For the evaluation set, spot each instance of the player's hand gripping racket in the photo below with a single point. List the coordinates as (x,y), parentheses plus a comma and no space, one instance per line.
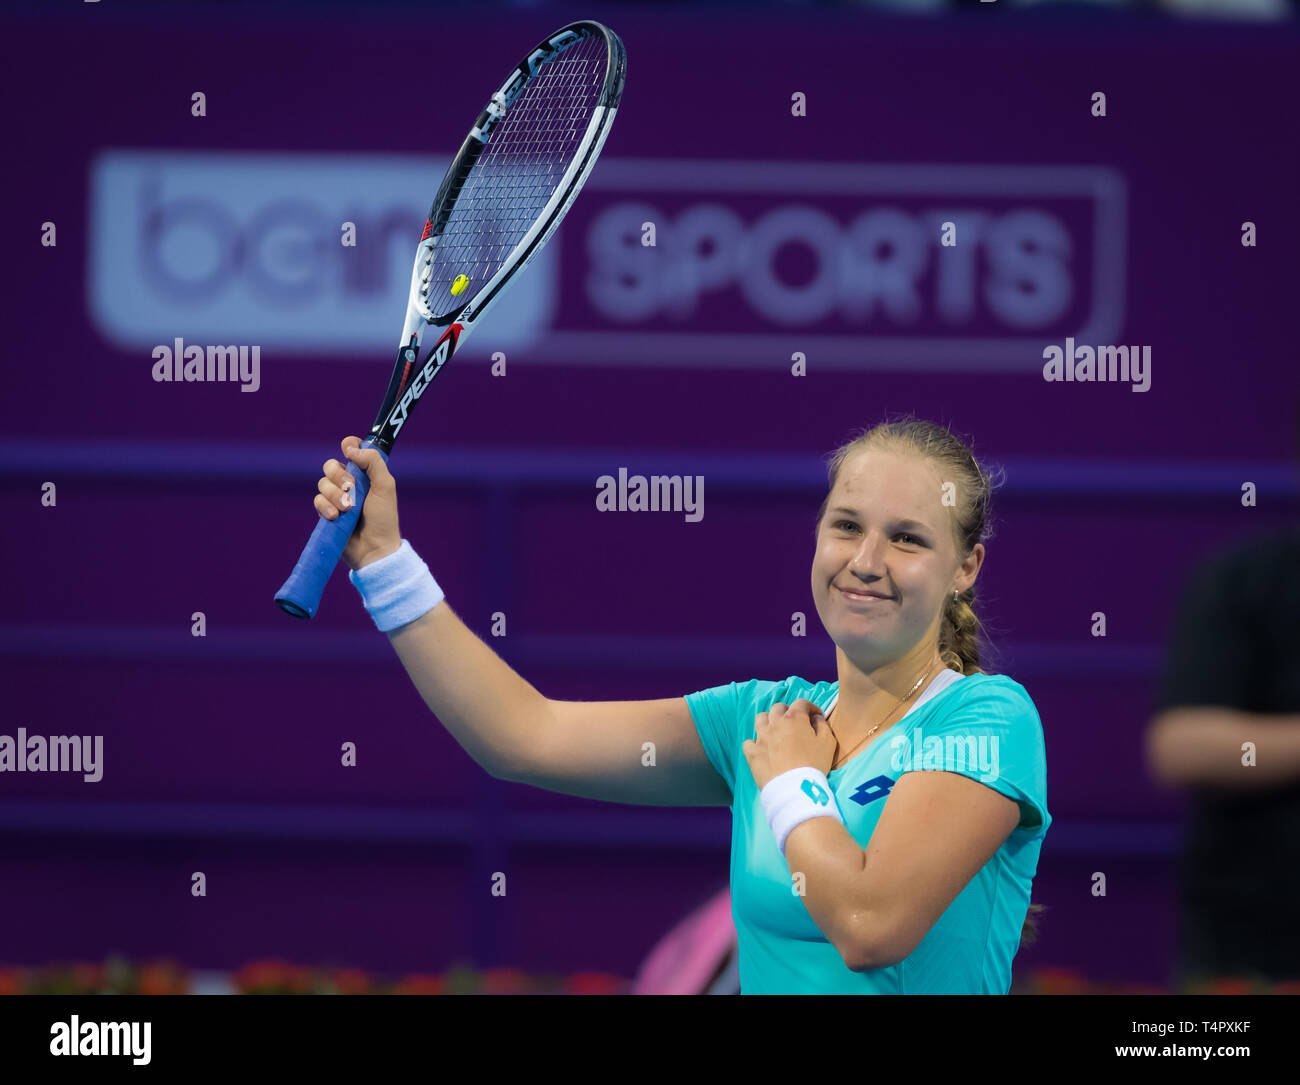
(512,181)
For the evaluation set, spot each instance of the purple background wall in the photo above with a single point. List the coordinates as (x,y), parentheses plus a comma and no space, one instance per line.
(222,752)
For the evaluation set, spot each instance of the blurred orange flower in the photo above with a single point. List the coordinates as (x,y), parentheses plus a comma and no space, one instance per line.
(1232,985)
(594,983)
(421,985)
(1143,989)
(351,981)
(505,981)
(1059,981)
(263,975)
(88,975)
(162,978)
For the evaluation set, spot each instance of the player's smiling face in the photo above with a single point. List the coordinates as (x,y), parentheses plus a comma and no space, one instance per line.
(885,556)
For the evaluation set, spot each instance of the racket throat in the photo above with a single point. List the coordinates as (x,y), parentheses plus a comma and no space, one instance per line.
(408,384)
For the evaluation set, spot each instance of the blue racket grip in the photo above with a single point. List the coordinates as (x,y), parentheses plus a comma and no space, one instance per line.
(300,594)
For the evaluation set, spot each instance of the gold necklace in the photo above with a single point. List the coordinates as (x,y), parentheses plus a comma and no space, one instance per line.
(864,738)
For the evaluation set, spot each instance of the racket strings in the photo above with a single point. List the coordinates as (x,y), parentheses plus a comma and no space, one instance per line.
(500,198)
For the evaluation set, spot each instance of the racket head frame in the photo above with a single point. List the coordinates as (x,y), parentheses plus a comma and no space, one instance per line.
(408,380)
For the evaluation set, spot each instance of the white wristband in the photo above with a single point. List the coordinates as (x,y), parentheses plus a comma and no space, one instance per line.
(397,589)
(794,797)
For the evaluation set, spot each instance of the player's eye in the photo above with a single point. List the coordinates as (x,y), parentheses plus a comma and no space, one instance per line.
(915,539)
(847,525)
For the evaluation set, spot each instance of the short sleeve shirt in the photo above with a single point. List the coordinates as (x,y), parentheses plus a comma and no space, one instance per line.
(983,726)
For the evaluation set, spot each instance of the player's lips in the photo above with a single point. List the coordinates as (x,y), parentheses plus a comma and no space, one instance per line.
(862,596)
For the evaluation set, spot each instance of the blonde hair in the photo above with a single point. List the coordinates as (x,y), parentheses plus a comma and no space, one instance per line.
(962,637)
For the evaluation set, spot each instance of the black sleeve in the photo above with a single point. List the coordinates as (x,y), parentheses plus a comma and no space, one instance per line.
(1211,651)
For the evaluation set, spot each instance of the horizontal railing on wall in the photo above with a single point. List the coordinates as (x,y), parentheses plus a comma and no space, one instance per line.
(527,466)
(557,651)
(615,825)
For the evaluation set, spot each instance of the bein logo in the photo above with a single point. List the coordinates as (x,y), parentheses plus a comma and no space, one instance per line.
(257,248)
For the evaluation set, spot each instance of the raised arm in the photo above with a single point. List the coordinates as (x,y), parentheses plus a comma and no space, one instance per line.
(590,749)
(595,749)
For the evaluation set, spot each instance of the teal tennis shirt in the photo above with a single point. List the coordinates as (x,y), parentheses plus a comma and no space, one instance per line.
(983,726)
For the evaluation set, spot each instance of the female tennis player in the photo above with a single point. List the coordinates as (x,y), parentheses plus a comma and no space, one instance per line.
(886,826)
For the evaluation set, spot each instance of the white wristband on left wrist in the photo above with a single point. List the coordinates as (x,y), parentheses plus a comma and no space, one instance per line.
(795,796)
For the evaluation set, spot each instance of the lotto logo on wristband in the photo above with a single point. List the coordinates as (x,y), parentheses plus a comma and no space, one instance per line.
(815,791)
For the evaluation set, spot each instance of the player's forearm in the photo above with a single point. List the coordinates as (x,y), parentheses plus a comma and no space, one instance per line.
(1215,747)
(489,709)
(826,868)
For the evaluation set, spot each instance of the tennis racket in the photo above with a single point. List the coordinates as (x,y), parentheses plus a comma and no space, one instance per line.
(506,191)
